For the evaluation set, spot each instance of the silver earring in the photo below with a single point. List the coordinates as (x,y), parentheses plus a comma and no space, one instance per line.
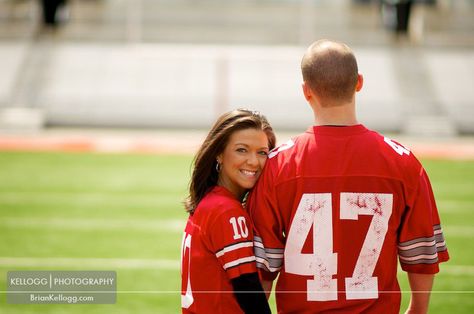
(218,167)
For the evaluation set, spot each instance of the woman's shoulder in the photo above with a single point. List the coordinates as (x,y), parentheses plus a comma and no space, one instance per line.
(218,201)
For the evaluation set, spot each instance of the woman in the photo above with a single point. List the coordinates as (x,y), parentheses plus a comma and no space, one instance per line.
(217,252)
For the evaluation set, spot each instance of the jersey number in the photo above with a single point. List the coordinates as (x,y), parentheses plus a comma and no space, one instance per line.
(397,147)
(315,210)
(187,298)
(241,231)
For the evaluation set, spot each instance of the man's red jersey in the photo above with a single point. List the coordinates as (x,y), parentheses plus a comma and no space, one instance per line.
(217,247)
(333,211)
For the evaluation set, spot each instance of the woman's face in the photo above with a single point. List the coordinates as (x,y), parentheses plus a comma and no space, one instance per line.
(242,160)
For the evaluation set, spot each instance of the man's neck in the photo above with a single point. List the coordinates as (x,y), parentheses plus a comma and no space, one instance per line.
(335,115)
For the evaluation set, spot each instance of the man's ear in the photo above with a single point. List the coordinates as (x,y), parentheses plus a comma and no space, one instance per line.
(360,82)
(308,95)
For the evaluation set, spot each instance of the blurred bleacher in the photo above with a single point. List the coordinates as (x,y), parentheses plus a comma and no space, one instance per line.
(180,63)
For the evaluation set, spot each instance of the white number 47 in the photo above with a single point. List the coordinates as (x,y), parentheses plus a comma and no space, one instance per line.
(397,147)
(315,210)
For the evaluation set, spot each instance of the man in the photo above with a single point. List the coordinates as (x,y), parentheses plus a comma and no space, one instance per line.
(398,11)
(336,206)
(51,10)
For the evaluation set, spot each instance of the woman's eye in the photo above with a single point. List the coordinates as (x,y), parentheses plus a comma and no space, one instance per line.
(263,153)
(241,150)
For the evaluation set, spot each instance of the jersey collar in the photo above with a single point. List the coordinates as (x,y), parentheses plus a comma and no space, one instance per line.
(337,130)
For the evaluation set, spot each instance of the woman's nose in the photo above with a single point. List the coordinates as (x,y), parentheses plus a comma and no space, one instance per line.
(252,159)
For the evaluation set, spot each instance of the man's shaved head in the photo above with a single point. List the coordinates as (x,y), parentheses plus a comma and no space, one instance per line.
(330,70)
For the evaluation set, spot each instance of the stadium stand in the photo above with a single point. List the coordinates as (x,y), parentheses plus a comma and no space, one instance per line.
(179,64)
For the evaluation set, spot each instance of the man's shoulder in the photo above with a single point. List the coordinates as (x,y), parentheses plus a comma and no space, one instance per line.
(397,155)
(289,147)
(282,150)
(284,161)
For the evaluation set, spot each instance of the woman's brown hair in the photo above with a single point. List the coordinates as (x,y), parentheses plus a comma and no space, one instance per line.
(205,175)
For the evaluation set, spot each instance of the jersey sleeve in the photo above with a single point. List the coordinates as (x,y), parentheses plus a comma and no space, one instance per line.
(231,238)
(421,244)
(269,242)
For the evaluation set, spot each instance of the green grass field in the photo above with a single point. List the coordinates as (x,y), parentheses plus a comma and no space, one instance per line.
(64,211)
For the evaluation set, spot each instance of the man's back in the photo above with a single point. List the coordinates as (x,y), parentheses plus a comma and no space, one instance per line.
(341,203)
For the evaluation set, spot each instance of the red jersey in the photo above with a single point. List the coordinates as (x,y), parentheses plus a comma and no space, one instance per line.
(217,247)
(333,211)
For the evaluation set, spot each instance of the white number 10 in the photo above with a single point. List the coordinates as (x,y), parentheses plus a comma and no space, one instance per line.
(241,231)
(315,210)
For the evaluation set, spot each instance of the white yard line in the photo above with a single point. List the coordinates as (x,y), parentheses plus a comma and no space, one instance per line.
(172,225)
(98,263)
(89,196)
(158,264)
(458,231)
(457,270)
